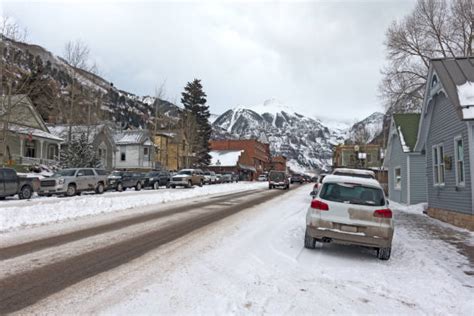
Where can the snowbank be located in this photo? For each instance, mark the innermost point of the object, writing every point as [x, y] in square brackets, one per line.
[16, 214]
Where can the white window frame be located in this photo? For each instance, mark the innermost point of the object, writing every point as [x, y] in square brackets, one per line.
[396, 186]
[457, 160]
[441, 169]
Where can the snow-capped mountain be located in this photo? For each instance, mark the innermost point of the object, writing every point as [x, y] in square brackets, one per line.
[372, 125]
[306, 142]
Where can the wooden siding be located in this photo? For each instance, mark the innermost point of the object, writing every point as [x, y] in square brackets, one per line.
[397, 159]
[417, 179]
[445, 125]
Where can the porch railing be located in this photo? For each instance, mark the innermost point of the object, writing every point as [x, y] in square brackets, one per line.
[21, 160]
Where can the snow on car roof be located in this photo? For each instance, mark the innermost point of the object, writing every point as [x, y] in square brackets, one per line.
[347, 179]
[356, 171]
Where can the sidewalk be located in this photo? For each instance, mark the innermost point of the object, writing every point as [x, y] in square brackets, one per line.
[421, 226]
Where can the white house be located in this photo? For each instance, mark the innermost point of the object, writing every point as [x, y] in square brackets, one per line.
[134, 150]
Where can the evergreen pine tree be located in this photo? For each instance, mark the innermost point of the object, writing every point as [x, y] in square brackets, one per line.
[79, 153]
[194, 101]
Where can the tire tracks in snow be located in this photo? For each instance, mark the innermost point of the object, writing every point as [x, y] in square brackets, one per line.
[26, 288]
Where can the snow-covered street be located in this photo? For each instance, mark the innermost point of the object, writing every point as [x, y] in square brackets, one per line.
[254, 262]
[17, 214]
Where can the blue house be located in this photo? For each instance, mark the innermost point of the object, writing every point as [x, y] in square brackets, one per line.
[406, 168]
[446, 138]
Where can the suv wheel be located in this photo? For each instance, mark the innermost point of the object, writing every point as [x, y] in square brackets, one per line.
[384, 253]
[156, 185]
[71, 190]
[138, 187]
[309, 242]
[119, 187]
[201, 183]
[25, 193]
[99, 189]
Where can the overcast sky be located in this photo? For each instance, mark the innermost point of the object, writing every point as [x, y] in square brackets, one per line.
[322, 58]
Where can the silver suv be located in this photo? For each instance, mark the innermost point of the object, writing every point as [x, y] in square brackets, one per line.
[74, 181]
[187, 178]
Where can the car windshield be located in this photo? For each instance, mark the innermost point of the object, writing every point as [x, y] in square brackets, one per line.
[152, 174]
[64, 173]
[188, 172]
[117, 173]
[352, 194]
[277, 176]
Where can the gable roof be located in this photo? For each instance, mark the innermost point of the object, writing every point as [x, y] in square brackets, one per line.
[454, 73]
[407, 128]
[131, 137]
[62, 130]
[22, 112]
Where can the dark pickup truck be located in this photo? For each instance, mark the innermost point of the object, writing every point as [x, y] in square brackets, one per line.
[11, 183]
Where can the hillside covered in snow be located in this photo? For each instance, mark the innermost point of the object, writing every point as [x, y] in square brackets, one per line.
[306, 142]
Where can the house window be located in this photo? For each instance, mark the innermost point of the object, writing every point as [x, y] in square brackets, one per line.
[30, 149]
[145, 151]
[123, 155]
[398, 178]
[438, 165]
[459, 159]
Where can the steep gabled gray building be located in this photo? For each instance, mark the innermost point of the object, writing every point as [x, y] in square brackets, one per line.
[406, 168]
[446, 138]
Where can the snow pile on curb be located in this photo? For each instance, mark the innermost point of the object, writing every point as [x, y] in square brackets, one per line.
[415, 208]
[20, 214]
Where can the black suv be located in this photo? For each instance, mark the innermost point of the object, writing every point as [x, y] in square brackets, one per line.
[297, 178]
[156, 179]
[122, 180]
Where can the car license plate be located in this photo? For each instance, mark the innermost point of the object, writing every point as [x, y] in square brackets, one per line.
[350, 229]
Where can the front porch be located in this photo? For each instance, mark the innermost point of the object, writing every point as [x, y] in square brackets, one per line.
[27, 146]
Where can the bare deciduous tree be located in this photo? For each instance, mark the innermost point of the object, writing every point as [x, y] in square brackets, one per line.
[76, 54]
[11, 29]
[435, 28]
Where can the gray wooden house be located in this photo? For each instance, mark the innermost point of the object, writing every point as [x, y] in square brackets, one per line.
[446, 138]
[406, 168]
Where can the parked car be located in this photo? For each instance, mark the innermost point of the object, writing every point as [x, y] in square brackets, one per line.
[278, 179]
[360, 173]
[74, 181]
[122, 180]
[187, 178]
[11, 184]
[210, 177]
[218, 178]
[235, 177]
[156, 179]
[318, 184]
[227, 178]
[297, 178]
[262, 177]
[350, 210]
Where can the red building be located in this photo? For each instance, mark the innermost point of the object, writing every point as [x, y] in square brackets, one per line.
[278, 163]
[253, 160]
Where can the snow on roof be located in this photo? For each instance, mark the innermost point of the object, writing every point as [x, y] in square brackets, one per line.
[130, 137]
[225, 158]
[406, 149]
[62, 131]
[466, 99]
[466, 93]
[355, 171]
[33, 131]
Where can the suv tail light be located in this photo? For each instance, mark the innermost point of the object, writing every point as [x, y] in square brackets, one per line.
[318, 205]
[385, 213]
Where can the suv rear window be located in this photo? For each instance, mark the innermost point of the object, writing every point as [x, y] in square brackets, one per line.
[101, 172]
[352, 193]
[277, 176]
